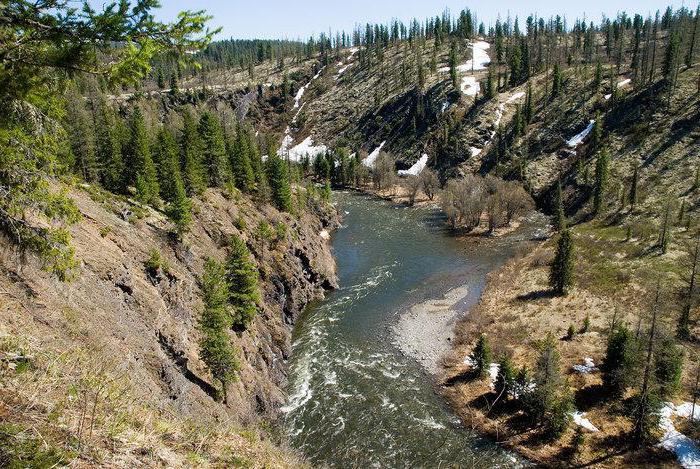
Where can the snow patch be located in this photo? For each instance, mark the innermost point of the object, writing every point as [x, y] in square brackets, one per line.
[493, 373]
[480, 59]
[371, 158]
[303, 89]
[417, 167]
[470, 86]
[582, 421]
[305, 148]
[475, 151]
[578, 139]
[587, 367]
[687, 452]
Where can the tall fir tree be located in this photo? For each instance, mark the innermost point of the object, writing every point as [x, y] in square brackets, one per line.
[109, 148]
[214, 150]
[242, 275]
[191, 156]
[279, 182]
[562, 269]
[215, 347]
[141, 169]
[243, 176]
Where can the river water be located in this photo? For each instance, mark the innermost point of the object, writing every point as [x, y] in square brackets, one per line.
[354, 399]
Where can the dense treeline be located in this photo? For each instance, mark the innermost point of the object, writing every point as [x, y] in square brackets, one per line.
[166, 164]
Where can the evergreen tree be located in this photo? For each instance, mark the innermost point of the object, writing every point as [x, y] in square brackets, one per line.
[141, 170]
[550, 402]
[279, 183]
[556, 80]
[453, 65]
[173, 84]
[81, 127]
[109, 148]
[214, 150]
[191, 156]
[481, 356]
[243, 176]
[561, 273]
[215, 347]
[172, 186]
[618, 367]
[242, 276]
[529, 108]
[598, 76]
[668, 367]
[601, 181]
[505, 379]
[180, 209]
[633, 188]
[167, 162]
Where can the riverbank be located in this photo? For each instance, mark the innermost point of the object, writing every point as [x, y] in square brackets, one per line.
[515, 312]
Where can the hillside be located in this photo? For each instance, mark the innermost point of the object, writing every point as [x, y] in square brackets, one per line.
[123, 337]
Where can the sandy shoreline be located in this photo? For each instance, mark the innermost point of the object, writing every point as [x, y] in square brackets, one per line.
[425, 330]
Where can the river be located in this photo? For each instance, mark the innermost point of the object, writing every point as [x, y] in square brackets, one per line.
[357, 400]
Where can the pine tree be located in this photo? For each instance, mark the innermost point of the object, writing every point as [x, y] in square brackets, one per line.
[633, 188]
[191, 156]
[243, 176]
[529, 108]
[214, 150]
[550, 402]
[215, 347]
[140, 167]
[109, 148]
[279, 183]
[242, 276]
[173, 84]
[505, 379]
[481, 356]
[81, 127]
[180, 209]
[601, 181]
[453, 65]
[559, 215]
[556, 80]
[668, 368]
[561, 273]
[598, 77]
[693, 253]
[645, 414]
[167, 162]
[618, 367]
[172, 186]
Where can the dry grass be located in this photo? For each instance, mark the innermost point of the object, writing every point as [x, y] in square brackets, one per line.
[74, 407]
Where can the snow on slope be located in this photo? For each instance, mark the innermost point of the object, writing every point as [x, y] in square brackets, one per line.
[578, 139]
[480, 59]
[303, 89]
[306, 148]
[470, 86]
[369, 161]
[687, 452]
[416, 169]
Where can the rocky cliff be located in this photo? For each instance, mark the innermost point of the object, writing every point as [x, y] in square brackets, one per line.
[141, 322]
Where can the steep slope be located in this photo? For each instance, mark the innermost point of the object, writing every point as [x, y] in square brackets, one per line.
[135, 328]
